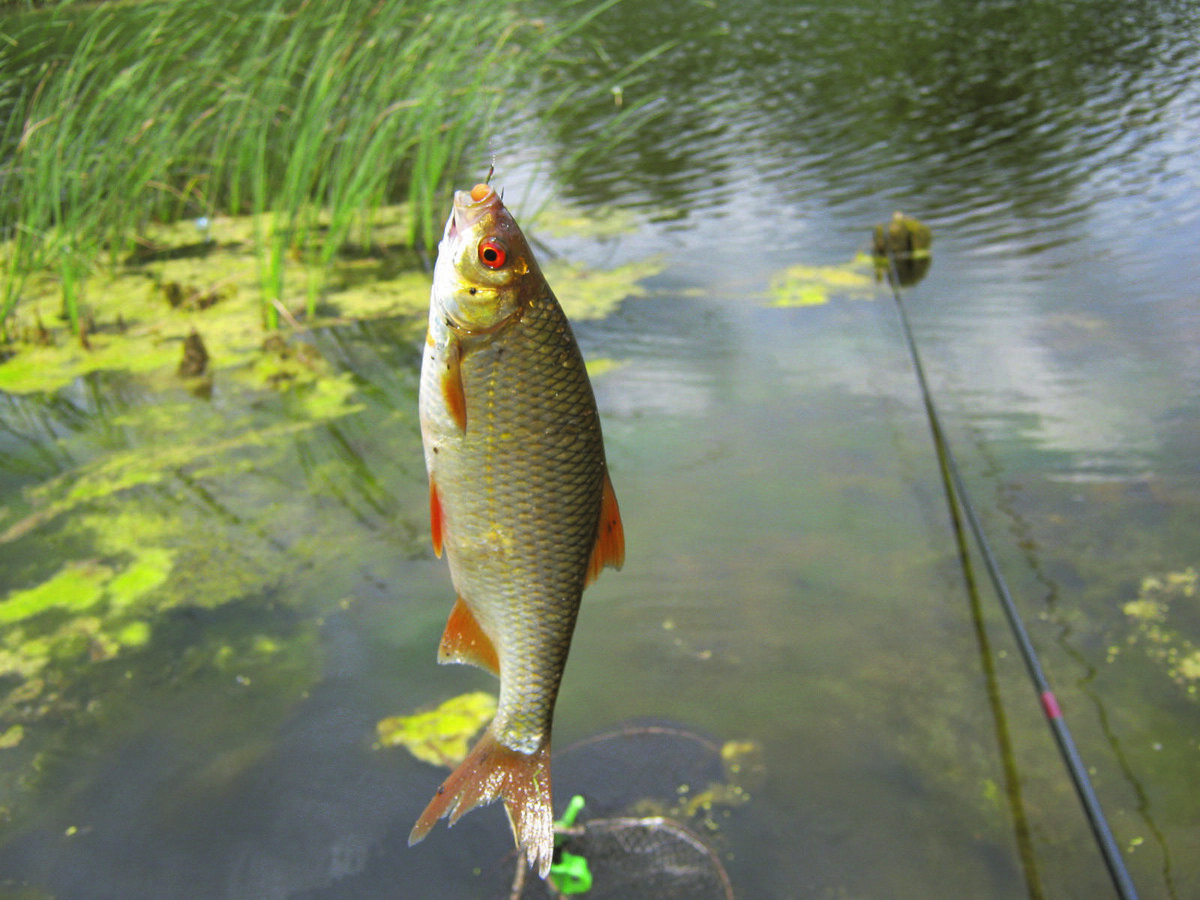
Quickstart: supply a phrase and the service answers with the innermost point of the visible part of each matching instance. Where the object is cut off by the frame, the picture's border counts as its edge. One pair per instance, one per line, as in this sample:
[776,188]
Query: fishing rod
[958,498]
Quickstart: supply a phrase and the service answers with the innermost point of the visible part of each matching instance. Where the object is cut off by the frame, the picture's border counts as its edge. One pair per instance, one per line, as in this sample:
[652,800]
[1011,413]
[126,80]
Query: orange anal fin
[492,771]
[436,521]
[452,385]
[464,641]
[610,536]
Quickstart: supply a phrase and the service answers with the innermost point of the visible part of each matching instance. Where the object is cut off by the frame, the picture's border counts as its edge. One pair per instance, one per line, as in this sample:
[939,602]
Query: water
[791,576]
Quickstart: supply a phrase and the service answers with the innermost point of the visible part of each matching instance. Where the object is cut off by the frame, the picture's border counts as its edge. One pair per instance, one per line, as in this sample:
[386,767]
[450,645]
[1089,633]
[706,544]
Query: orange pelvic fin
[436,522]
[493,771]
[464,641]
[610,536]
[452,385]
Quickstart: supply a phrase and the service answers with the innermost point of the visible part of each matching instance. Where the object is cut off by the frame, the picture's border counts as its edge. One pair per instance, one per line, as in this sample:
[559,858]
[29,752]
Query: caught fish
[520,502]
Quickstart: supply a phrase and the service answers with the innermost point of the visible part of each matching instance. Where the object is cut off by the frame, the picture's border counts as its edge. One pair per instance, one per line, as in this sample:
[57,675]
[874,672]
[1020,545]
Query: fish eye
[492,252]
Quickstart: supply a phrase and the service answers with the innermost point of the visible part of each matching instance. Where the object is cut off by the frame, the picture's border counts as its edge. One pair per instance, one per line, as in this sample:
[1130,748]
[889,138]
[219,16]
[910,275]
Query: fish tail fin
[521,780]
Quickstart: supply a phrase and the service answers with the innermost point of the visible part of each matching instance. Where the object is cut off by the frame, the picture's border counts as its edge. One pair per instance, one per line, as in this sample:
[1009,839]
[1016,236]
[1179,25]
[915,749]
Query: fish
[521,502]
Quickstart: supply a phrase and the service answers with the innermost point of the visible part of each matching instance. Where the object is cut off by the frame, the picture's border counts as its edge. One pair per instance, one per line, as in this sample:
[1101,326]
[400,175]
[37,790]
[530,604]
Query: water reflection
[997,118]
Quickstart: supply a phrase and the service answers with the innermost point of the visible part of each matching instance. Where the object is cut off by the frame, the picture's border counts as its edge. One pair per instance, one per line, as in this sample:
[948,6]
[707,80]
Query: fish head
[485,273]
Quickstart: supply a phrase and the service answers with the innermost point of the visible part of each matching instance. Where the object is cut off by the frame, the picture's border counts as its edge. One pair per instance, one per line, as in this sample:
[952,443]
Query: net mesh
[655,798]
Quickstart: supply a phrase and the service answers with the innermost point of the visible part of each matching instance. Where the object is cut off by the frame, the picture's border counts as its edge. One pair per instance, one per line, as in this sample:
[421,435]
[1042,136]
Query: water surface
[792,578]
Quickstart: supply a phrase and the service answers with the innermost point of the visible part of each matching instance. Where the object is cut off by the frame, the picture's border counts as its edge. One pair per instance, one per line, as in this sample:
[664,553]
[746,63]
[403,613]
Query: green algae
[83,611]
[150,568]
[1160,599]
[107,477]
[802,285]
[564,220]
[172,499]
[76,587]
[165,520]
[587,292]
[597,368]
[139,314]
[179,438]
[12,737]
[369,293]
[703,805]
[439,736]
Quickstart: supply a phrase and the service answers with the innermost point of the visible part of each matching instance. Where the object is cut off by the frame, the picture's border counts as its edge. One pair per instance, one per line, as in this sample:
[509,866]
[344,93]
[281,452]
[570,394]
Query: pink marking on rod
[1050,705]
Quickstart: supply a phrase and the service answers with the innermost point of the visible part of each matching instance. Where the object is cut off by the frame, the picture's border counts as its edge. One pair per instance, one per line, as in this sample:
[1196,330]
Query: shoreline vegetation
[159,159]
[191,197]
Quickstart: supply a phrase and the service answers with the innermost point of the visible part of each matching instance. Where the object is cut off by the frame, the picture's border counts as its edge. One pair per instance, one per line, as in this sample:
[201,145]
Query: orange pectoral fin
[464,641]
[436,523]
[452,385]
[610,536]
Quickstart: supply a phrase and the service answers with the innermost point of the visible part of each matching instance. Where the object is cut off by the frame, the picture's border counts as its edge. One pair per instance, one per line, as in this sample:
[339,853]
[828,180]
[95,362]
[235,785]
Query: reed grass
[306,115]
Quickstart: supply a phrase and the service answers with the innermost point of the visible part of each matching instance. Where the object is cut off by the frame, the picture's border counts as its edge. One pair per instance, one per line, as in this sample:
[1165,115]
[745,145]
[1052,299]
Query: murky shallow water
[791,576]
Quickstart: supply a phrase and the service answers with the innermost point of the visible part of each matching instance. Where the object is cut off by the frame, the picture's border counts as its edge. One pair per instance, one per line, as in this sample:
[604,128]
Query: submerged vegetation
[1164,602]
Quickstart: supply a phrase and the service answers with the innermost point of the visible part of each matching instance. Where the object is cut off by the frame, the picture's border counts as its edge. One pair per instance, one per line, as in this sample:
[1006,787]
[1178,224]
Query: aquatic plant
[440,736]
[802,285]
[163,176]
[148,311]
[1165,604]
[117,116]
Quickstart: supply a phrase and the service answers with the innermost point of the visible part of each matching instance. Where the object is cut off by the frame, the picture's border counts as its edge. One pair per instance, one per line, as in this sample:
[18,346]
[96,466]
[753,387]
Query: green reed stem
[304,115]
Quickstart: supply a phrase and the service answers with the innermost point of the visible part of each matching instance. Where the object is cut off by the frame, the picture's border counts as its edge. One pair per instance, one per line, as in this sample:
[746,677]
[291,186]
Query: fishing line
[958,498]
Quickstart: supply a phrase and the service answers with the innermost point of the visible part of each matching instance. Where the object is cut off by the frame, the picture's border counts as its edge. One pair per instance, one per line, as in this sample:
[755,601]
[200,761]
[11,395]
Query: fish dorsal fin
[464,641]
[436,522]
[610,535]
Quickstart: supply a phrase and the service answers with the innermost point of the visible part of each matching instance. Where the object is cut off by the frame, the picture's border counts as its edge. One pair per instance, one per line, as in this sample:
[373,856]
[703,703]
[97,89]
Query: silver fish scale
[521,495]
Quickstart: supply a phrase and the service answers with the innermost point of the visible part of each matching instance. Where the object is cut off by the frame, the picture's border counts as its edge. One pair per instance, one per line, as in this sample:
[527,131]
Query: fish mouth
[469,207]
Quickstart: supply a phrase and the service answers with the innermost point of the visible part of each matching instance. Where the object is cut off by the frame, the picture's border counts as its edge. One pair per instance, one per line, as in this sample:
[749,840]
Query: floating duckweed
[744,771]
[744,764]
[331,397]
[814,285]
[597,224]
[1145,610]
[12,737]
[367,294]
[180,445]
[74,588]
[135,634]
[24,658]
[441,736]
[85,593]
[264,645]
[586,292]
[146,573]
[1150,615]
[598,367]
[140,314]
[1189,667]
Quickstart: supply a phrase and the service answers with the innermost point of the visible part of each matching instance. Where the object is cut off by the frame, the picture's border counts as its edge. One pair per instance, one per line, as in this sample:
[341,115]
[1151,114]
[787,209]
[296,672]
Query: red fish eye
[492,252]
